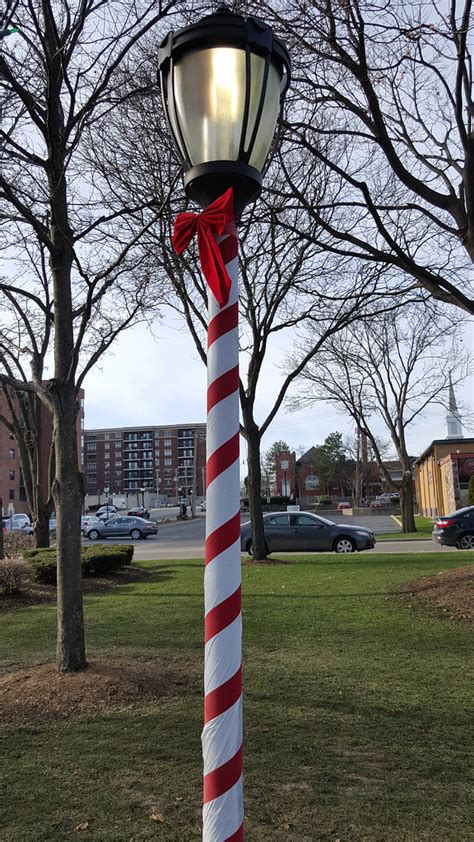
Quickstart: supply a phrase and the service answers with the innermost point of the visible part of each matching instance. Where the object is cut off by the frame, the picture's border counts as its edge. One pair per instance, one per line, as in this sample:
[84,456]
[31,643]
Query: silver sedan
[122,527]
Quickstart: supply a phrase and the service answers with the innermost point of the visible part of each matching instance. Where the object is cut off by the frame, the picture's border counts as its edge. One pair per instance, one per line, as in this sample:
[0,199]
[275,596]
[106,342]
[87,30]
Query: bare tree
[381,100]
[286,287]
[289,278]
[389,369]
[68,240]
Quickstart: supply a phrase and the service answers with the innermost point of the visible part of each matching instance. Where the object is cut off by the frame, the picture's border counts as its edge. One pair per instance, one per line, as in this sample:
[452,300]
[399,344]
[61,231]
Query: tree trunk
[259,549]
[406,503]
[68,493]
[41,527]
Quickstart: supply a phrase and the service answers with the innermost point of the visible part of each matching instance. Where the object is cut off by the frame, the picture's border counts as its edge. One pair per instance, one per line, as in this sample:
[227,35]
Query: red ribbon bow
[211,221]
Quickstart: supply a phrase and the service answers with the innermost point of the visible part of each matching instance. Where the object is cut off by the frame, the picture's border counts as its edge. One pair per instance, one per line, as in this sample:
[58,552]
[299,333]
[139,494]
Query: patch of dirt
[450,593]
[267,561]
[40,695]
[34,593]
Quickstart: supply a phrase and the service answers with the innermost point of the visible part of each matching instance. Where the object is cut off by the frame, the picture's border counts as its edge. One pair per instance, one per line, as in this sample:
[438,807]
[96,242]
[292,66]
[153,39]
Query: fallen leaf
[157,817]
[82,826]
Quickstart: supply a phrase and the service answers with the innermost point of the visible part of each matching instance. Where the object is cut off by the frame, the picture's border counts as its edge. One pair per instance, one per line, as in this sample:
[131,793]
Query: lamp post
[106,492]
[223,81]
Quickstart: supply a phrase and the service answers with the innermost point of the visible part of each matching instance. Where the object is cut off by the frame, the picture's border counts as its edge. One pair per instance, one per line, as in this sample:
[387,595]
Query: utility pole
[357,494]
[194,477]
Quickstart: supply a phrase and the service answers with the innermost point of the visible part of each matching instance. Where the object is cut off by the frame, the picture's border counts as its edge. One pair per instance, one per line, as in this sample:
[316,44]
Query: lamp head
[223,81]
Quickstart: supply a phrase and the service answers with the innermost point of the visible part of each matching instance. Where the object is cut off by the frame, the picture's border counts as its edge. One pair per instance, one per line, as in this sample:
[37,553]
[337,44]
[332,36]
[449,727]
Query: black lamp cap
[226,28]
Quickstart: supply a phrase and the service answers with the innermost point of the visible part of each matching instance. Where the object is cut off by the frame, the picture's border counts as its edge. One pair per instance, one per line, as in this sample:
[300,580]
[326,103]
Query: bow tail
[213,265]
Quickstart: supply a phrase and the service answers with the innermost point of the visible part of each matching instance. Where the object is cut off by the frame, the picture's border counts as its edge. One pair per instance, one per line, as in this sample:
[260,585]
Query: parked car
[456,530]
[378,503]
[105,516]
[138,511]
[122,527]
[18,519]
[303,531]
[343,505]
[203,506]
[17,523]
[88,521]
[108,510]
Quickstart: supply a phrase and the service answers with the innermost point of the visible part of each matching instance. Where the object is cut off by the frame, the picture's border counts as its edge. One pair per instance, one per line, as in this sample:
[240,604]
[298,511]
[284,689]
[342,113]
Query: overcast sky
[158,380]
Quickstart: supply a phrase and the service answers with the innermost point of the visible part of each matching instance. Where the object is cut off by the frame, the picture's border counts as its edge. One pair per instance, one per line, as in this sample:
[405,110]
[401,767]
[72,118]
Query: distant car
[203,506]
[138,511]
[17,526]
[104,516]
[343,505]
[303,531]
[111,510]
[88,521]
[19,519]
[456,530]
[378,503]
[122,527]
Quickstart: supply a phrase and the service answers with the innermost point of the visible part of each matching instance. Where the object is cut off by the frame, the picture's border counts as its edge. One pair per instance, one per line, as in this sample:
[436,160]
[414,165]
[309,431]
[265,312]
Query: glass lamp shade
[210,88]
[223,81]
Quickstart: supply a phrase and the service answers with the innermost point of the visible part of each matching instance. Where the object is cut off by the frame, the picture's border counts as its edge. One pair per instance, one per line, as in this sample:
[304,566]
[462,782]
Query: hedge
[39,551]
[95,561]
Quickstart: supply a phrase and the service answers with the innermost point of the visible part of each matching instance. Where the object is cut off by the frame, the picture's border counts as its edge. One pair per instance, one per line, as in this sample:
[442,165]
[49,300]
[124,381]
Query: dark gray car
[122,527]
[295,532]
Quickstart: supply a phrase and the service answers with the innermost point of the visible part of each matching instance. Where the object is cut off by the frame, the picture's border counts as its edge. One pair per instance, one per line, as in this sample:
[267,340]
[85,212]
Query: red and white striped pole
[223,812]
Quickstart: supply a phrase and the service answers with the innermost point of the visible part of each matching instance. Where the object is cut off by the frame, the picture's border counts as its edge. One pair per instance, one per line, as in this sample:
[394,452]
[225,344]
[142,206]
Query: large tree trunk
[259,549]
[407,504]
[68,493]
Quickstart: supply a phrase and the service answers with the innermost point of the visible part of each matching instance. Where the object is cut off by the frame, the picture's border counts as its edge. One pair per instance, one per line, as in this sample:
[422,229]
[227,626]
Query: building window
[168,461]
[11,453]
[118,463]
[91,447]
[11,474]
[11,494]
[92,466]
[106,436]
[311,483]
[106,446]
[167,452]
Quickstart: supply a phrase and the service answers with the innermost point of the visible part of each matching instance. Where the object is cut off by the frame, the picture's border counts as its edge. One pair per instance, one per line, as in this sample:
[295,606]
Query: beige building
[442,474]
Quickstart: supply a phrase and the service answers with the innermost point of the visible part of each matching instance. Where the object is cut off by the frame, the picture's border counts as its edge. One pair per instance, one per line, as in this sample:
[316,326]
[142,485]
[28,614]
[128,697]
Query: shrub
[95,561]
[16,544]
[13,572]
[43,569]
[50,551]
[470,491]
[99,560]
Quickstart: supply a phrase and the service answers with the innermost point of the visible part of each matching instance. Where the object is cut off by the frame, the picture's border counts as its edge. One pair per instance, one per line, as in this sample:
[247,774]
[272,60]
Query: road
[185,539]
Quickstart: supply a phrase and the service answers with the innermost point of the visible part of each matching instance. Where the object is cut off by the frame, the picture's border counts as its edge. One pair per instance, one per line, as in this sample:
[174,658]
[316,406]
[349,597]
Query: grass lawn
[356,711]
[424,527]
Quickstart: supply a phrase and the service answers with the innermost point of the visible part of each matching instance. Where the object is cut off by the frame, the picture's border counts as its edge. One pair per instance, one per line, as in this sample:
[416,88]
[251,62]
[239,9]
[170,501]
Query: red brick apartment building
[12,490]
[164,460]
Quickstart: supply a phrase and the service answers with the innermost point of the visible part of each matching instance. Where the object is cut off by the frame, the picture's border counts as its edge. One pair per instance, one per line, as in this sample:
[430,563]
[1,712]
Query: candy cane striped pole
[223,811]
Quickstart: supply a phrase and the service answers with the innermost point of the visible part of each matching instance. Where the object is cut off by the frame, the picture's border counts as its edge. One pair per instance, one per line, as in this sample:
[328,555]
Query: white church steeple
[453,420]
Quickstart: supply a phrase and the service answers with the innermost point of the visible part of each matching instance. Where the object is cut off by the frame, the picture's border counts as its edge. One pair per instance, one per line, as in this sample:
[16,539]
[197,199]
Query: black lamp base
[207,182]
